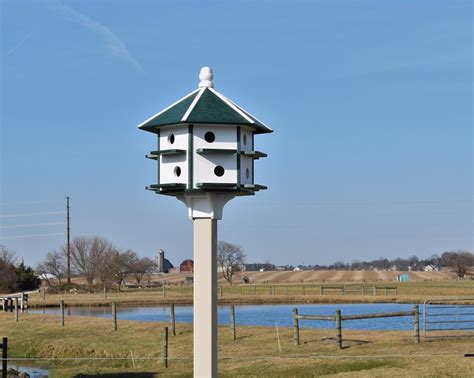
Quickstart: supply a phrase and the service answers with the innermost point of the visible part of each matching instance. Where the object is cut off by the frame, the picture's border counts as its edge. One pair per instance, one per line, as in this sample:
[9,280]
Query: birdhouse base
[205,205]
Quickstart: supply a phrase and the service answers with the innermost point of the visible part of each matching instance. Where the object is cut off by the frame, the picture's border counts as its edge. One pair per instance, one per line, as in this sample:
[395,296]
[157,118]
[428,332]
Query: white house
[431,268]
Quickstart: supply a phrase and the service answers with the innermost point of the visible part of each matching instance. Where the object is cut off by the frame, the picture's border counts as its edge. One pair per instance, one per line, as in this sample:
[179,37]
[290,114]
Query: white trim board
[193,104]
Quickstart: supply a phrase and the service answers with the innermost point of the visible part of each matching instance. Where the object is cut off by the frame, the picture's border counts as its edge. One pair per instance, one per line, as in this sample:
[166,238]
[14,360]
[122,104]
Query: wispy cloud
[18,45]
[111,41]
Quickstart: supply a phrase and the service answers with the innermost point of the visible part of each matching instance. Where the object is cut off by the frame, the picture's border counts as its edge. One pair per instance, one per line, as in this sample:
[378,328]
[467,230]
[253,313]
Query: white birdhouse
[205,156]
[205,145]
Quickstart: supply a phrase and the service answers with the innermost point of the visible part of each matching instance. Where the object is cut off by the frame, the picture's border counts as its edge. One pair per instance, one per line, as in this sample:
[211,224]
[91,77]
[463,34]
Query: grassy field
[408,292]
[256,351]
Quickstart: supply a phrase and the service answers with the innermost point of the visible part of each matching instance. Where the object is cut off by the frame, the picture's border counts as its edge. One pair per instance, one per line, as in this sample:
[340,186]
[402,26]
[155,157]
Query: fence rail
[338,319]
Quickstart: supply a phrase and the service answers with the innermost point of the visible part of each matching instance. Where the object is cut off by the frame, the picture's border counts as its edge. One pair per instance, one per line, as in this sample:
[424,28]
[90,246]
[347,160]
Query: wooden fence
[7,301]
[338,319]
[305,290]
[4,347]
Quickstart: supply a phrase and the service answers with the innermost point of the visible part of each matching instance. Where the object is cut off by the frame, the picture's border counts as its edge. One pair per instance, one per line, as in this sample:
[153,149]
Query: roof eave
[259,129]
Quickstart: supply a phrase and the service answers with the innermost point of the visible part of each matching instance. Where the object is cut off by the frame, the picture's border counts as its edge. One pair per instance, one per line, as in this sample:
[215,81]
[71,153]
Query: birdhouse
[205,145]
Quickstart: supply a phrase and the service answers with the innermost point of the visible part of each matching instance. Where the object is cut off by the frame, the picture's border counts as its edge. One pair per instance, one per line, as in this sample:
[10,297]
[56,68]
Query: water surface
[258,315]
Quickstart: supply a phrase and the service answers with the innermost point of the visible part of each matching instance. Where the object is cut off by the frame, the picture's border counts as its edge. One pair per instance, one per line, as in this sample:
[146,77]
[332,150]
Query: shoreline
[249,301]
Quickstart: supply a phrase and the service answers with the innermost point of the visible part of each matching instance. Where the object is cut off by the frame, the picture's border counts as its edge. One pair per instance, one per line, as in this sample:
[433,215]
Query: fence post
[44,293]
[296,327]
[416,323]
[375,290]
[273,291]
[304,290]
[16,310]
[105,293]
[165,347]
[164,292]
[321,290]
[114,316]
[232,322]
[220,290]
[172,320]
[338,329]
[61,307]
[4,357]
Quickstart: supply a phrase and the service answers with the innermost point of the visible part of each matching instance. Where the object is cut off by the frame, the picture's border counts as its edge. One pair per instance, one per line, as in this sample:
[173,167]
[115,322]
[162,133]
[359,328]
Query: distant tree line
[459,261]
[15,277]
[98,261]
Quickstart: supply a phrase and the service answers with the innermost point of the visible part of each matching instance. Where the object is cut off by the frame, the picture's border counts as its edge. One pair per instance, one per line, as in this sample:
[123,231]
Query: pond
[33,372]
[257,315]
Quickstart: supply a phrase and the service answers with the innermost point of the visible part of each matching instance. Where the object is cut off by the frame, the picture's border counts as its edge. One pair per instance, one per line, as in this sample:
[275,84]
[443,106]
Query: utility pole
[68,243]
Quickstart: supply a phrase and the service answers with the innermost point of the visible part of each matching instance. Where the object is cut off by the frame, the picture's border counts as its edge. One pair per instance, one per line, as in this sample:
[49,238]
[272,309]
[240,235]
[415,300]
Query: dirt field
[319,276]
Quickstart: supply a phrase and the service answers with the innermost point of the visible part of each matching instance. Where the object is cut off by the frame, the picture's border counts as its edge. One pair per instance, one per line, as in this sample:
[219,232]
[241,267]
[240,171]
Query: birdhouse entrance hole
[210,137]
[219,171]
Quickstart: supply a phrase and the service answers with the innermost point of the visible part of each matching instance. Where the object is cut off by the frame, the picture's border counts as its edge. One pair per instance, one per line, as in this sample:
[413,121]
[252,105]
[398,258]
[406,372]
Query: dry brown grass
[254,353]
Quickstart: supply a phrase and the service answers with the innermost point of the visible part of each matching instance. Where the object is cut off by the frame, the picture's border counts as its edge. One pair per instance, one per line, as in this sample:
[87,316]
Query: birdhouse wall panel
[174,137]
[173,169]
[207,168]
[225,136]
[246,140]
[246,170]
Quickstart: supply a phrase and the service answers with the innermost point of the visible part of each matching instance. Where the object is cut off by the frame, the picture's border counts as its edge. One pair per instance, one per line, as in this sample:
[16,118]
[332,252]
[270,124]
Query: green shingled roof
[204,105]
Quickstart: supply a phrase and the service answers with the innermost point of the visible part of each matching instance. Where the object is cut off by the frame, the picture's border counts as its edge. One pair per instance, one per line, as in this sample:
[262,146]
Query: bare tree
[54,265]
[120,265]
[230,258]
[89,257]
[7,256]
[459,261]
[8,278]
[141,267]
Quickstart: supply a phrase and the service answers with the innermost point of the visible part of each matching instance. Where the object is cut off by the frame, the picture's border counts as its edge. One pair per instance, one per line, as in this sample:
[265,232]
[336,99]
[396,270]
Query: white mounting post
[205,209]
[205,297]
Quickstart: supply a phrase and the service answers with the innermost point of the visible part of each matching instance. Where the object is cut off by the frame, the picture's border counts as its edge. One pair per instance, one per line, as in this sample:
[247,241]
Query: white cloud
[111,42]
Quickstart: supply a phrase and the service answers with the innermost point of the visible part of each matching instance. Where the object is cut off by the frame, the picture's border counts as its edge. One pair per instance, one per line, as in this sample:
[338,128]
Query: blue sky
[371,103]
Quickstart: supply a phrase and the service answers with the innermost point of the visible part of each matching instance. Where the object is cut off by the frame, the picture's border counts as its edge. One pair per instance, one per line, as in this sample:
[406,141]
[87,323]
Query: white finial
[206,77]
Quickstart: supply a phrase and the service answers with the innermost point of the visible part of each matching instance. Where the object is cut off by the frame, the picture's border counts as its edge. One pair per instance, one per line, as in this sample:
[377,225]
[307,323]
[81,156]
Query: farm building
[404,277]
[186,266]
[431,268]
[163,264]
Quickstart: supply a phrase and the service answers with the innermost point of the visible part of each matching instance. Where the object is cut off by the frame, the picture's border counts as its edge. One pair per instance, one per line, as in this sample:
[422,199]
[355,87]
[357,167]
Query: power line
[28,236]
[31,214]
[26,202]
[33,225]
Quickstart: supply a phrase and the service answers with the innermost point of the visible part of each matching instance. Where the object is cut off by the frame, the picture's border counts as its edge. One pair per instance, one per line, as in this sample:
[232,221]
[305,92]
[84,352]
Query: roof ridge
[169,107]
[193,104]
[241,109]
[232,105]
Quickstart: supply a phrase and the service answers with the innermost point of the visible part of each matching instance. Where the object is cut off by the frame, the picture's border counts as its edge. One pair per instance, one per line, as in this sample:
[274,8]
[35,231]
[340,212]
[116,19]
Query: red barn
[186,266]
